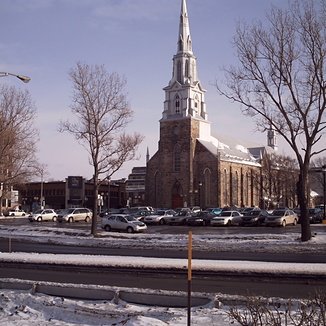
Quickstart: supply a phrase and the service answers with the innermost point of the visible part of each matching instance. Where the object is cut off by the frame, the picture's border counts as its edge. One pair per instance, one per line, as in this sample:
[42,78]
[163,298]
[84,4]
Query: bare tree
[280,81]
[102,111]
[278,184]
[18,139]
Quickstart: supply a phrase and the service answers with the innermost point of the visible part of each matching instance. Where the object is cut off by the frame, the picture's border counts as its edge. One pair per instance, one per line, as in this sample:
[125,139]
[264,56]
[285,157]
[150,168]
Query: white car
[122,222]
[159,217]
[16,212]
[43,215]
[226,218]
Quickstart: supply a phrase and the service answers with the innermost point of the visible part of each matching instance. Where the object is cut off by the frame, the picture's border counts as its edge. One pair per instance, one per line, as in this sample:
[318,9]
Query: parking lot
[166,229]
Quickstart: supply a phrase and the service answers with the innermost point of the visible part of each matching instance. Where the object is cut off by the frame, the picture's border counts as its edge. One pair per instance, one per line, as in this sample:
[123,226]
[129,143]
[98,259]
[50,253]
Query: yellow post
[189,276]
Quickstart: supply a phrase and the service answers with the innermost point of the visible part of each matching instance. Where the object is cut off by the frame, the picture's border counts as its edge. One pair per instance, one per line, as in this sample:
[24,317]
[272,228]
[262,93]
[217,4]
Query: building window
[177,158]
[179,72]
[177,104]
[225,186]
[207,187]
[187,68]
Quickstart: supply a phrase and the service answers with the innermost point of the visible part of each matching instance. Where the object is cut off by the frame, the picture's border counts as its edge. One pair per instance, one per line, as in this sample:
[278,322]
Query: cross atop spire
[184,41]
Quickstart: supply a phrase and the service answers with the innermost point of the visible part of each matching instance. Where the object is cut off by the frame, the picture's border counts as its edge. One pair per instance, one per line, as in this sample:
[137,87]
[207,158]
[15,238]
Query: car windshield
[67,211]
[253,213]
[130,218]
[39,211]
[159,212]
[278,213]
[225,214]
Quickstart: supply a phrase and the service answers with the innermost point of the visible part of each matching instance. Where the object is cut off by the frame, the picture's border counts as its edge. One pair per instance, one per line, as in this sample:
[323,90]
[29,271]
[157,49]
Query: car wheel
[23,214]
[107,228]
[130,229]
[204,223]
[295,222]
[70,219]
[162,221]
[54,218]
[12,214]
[283,223]
[87,219]
[39,219]
[228,223]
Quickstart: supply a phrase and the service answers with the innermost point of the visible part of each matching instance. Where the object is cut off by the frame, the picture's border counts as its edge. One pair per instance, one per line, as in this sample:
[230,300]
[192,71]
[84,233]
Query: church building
[192,166]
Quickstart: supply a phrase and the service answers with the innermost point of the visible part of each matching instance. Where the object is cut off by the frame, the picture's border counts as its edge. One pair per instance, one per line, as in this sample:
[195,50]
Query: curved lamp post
[25,79]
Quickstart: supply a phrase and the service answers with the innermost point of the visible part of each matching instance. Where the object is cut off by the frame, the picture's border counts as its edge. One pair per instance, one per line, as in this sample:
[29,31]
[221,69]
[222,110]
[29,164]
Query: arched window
[179,79]
[235,188]
[177,158]
[187,68]
[225,188]
[246,190]
[177,104]
[207,187]
[196,104]
[156,188]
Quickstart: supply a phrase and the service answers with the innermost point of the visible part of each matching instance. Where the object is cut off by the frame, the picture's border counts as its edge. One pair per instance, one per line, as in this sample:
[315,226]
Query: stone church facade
[191,166]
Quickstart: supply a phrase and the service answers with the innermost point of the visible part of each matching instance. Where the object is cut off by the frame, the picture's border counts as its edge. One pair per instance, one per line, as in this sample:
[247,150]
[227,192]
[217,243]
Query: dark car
[201,218]
[253,217]
[316,215]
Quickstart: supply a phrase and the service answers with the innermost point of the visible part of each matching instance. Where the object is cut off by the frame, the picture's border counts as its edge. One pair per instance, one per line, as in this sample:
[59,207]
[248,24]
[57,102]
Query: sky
[43,39]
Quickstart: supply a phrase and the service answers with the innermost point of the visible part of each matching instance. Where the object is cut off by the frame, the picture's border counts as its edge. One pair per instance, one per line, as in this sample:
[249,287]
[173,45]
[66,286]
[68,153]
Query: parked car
[122,222]
[226,218]
[43,215]
[140,215]
[253,217]
[15,212]
[180,218]
[106,212]
[74,215]
[202,218]
[215,210]
[159,217]
[281,217]
[316,215]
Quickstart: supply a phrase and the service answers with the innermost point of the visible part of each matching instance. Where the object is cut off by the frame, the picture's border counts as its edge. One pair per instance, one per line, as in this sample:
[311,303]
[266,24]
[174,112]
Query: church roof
[236,150]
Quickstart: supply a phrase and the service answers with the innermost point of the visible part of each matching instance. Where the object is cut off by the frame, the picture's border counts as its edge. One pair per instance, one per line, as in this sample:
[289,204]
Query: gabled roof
[236,150]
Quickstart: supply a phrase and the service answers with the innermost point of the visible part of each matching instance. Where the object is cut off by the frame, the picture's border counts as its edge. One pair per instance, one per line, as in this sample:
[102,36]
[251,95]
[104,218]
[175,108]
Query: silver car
[227,218]
[122,222]
[43,215]
[75,214]
[159,216]
[281,217]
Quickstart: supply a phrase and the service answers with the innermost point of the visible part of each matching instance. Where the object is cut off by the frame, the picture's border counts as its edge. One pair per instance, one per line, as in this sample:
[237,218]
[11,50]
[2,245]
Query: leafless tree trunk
[18,138]
[280,81]
[102,111]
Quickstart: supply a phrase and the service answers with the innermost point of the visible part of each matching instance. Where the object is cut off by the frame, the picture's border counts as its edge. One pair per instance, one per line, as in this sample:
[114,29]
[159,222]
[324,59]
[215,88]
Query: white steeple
[272,137]
[184,96]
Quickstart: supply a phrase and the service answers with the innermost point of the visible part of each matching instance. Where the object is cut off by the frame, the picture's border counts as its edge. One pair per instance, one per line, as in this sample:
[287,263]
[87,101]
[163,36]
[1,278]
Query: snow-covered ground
[24,308]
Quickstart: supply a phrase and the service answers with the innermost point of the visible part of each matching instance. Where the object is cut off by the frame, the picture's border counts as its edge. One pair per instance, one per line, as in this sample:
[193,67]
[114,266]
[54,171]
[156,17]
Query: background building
[75,191]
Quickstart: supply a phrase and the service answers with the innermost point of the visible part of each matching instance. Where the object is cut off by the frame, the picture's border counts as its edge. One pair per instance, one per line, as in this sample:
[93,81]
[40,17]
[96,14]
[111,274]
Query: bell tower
[171,173]
[184,96]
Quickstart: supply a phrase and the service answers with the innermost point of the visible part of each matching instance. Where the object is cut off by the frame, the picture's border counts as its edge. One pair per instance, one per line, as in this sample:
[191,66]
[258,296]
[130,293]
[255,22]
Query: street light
[25,79]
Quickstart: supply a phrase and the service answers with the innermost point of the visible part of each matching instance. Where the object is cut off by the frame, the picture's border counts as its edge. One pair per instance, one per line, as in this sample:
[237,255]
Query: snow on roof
[235,150]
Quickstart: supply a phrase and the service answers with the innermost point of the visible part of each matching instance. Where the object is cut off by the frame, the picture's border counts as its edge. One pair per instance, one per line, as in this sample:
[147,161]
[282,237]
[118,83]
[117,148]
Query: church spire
[184,96]
[184,41]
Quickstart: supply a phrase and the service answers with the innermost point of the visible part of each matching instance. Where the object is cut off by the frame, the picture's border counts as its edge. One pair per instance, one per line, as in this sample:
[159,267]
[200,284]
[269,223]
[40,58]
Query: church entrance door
[177,201]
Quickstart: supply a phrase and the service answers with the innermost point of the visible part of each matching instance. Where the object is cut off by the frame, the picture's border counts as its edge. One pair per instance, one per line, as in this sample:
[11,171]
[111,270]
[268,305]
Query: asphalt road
[166,280]
[18,246]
